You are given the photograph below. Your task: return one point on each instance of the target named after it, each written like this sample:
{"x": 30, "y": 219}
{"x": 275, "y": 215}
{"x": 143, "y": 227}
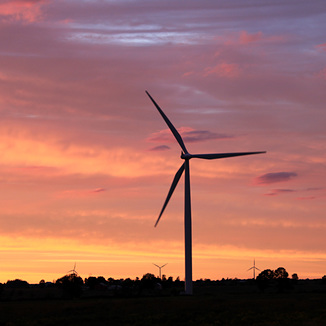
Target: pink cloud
{"x": 321, "y": 73}
{"x": 321, "y": 46}
{"x": 19, "y": 10}
{"x": 246, "y": 38}
{"x": 224, "y": 69}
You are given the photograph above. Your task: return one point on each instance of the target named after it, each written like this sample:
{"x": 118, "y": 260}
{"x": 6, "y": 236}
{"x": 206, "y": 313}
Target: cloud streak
{"x": 189, "y": 135}
{"x": 159, "y": 148}
{"x": 276, "y": 192}
{"x": 275, "y": 177}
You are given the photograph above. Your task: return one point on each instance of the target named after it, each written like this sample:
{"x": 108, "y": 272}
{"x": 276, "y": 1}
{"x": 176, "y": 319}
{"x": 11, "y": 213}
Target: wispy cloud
{"x": 189, "y": 135}
{"x": 224, "y": 69}
{"x": 80, "y": 193}
{"x": 274, "y": 177}
{"x": 317, "y": 190}
{"x": 275, "y": 192}
{"x": 98, "y": 190}
{"x": 159, "y": 148}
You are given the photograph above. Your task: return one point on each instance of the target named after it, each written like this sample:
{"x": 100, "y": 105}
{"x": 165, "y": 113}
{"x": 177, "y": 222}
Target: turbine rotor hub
{"x": 186, "y": 156}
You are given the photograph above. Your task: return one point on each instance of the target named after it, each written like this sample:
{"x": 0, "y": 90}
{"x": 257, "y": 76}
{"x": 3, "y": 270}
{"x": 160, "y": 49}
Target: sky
{"x": 86, "y": 161}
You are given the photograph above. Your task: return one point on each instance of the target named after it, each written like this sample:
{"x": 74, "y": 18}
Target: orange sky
{"x": 86, "y": 160}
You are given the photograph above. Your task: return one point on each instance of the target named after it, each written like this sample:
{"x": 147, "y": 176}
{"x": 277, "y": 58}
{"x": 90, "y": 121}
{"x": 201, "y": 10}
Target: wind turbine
{"x": 254, "y": 269}
{"x": 73, "y": 271}
{"x": 186, "y": 156}
{"x": 160, "y": 267}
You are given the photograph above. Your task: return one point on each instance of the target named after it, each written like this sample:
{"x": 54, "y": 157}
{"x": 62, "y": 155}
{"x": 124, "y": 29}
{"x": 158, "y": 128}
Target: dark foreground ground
{"x": 218, "y": 306}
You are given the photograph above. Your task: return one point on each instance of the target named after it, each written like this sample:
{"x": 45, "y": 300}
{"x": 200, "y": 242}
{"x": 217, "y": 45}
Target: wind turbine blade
{"x": 170, "y": 125}
{"x": 222, "y": 155}
{"x": 174, "y": 184}
{"x": 249, "y": 269}
{"x": 164, "y": 265}
{"x": 156, "y": 265}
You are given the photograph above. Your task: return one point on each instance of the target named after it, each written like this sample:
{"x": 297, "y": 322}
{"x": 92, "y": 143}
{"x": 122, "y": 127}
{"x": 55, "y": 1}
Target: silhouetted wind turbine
{"x": 186, "y": 156}
{"x": 160, "y": 267}
{"x": 73, "y": 271}
{"x": 254, "y": 269}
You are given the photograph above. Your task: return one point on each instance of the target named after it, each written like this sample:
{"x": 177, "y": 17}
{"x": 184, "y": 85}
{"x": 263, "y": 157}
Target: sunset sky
{"x": 87, "y": 161}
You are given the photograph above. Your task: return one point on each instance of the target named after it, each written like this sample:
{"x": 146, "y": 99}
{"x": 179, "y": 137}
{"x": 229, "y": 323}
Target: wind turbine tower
{"x": 254, "y": 269}
{"x": 186, "y": 156}
{"x": 160, "y": 268}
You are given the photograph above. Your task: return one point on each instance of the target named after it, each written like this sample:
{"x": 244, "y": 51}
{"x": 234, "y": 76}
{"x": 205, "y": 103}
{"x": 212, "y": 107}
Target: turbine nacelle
{"x": 186, "y": 156}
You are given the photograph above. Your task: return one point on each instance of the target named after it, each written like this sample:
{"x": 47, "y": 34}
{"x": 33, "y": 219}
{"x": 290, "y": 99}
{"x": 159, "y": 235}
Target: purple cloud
{"x": 194, "y": 136}
{"x": 274, "y": 177}
{"x": 283, "y": 190}
{"x": 276, "y": 192}
{"x": 189, "y": 135}
{"x": 99, "y": 190}
{"x": 159, "y": 148}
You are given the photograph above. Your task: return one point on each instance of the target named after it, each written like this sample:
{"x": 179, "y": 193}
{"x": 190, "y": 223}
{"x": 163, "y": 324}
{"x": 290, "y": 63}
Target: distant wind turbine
{"x": 73, "y": 271}
{"x": 186, "y": 156}
{"x": 160, "y": 267}
{"x": 254, "y": 269}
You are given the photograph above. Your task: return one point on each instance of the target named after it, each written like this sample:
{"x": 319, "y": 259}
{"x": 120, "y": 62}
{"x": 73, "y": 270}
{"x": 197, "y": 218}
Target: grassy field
{"x": 221, "y": 308}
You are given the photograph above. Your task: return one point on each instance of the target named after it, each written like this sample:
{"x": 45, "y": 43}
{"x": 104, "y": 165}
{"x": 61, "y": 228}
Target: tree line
{"x": 72, "y": 285}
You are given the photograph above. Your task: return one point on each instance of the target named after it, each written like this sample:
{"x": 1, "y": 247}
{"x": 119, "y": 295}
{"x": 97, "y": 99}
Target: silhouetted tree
{"x": 111, "y": 280}
{"x": 95, "y": 282}
{"x": 177, "y": 281}
{"x": 127, "y": 282}
{"x": 281, "y": 273}
{"x": 266, "y": 274}
{"x": 278, "y": 277}
{"x": 167, "y": 282}
{"x": 17, "y": 283}
{"x": 149, "y": 281}
{"x": 70, "y": 284}
{"x": 101, "y": 279}
{"x": 281, "y": 276}
{"x": 264, "y": 279}
{"x": 295, "y": 278}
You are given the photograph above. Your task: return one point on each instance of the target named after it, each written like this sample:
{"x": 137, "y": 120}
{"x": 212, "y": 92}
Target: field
{"x": 218, "y": 306}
